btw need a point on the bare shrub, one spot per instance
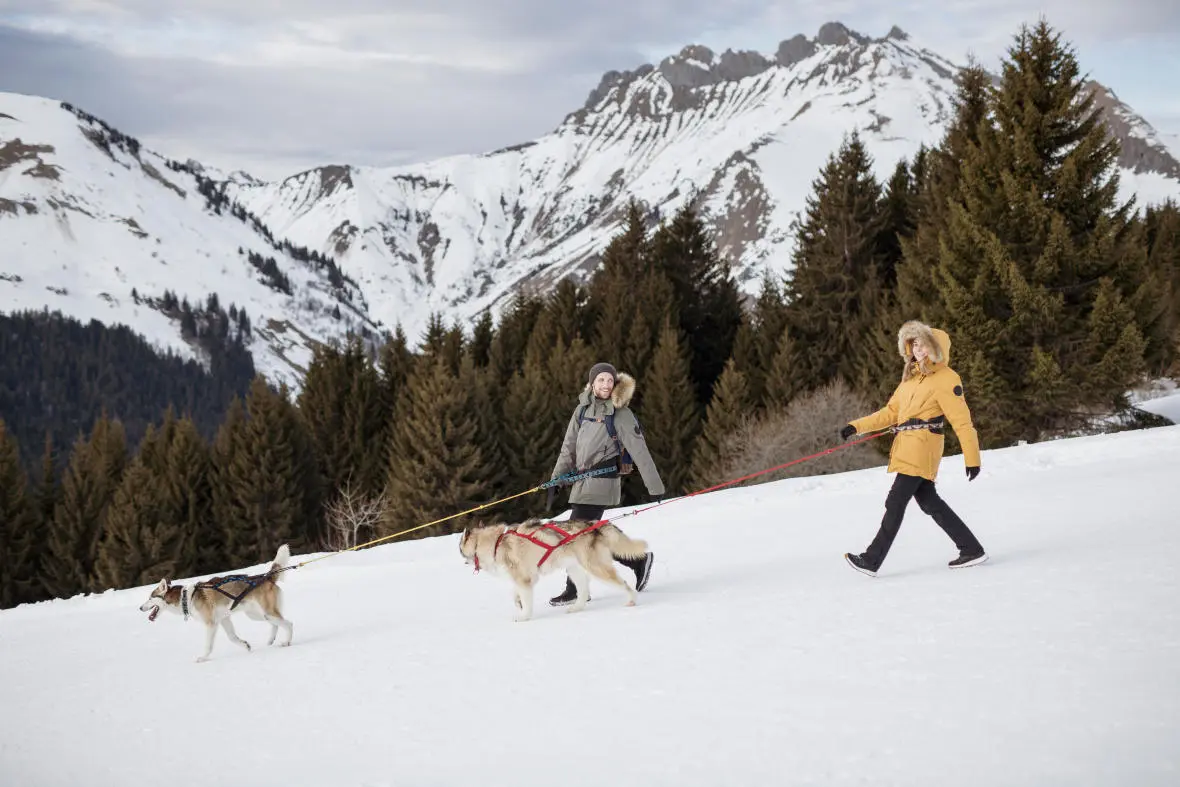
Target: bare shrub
(352, 516)
(809, 424)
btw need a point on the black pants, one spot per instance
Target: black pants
(593, 514)
(922, 490)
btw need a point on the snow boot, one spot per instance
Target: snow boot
(965, 560)
(567, 596)
(860, 564)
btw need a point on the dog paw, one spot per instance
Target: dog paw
(630, 603)
(201, 659)
(248, 648)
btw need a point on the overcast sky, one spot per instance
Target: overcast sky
(275, 86)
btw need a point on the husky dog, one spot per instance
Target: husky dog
(511, 550)
(212, 601)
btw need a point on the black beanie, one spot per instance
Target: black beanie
(599, 368)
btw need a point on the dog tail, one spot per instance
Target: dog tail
(282, 558)
(622, 545)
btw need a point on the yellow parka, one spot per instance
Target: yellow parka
(930, 392)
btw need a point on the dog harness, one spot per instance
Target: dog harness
(566, 537)
(252, 582)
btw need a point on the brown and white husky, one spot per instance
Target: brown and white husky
(504, 549)
(212, 602)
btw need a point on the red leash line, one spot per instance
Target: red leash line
(825, 452)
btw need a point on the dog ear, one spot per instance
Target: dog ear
(163, 586)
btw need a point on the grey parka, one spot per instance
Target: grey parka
(587, 444)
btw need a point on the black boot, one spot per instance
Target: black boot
(860, 564)
(641, 566)
(966, 559)
(567, 596)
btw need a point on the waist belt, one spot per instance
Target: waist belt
(935, 425)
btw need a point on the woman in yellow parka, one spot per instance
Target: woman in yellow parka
(930, 396)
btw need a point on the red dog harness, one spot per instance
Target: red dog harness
(566, 537)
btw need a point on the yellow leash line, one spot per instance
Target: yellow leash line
(877, 433)
(420, 527)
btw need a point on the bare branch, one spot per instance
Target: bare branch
(351, 514)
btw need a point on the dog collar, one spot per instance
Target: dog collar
(184, 599)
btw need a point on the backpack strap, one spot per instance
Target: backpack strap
(626, 463)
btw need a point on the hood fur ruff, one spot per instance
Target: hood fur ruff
(622, 393)
(936, 339)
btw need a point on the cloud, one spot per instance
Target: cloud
(274, 86)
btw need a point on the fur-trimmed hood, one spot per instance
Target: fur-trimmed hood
(620, 396)
(938, 340)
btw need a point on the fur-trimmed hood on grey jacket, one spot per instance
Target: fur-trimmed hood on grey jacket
(587, 444)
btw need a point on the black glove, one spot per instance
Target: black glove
(972, 472)
(552, 493)
(656, 498)
(847, 431)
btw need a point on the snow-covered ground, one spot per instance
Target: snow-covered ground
(756, 656)
(1162, 397)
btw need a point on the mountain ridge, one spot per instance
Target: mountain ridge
(740, 135)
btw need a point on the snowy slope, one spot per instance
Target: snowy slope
(756, 656)
(86, 217)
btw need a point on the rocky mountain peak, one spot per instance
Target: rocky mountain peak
(696, 65)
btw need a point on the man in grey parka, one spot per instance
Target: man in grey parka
(588, 445)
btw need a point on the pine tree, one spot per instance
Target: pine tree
(512, 337)
(18, 561)
(706, 302)
(1162, 237)
(436, 468)
(454, 346)
(652, 301)
(1041, 273)
(44, 504)
(746, 358)
(434, 339)
(769, 320)
(611, 304)
(727, 409)
(341, 405)
(671, 417)
(141, 543)
(536, 413)
(486, 395)
(782, 382)
(835, 293)
(366, 423)
(395, 362)
(188, 494)
(898, 211)
(153, 446)
(94, 473)
(936, 176)
(270, 479)
(229, 514)
(565, 317)
(481, 339)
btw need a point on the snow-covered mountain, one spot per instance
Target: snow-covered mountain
(755, 656)
(741, 133)
(98, 227)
